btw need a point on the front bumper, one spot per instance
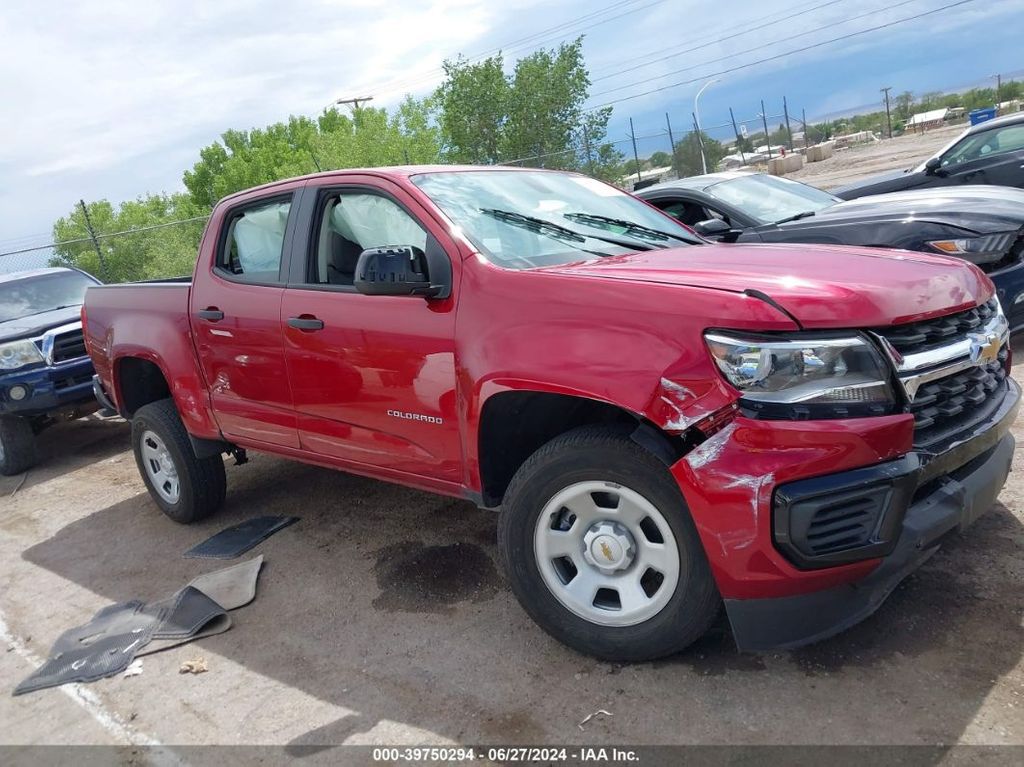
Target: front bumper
(733, 481)
(765, 624)
(51, 389)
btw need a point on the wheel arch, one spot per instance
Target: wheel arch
(515, 423)
(139, 381)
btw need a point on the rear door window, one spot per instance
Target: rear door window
(254, 245)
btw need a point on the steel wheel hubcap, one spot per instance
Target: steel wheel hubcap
(606, 553)
(160, 468)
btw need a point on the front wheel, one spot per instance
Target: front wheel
(17, 445)
(186, 488)
(601, 550)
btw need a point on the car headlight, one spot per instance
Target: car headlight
(18, 354)
(990, 247)
(809, 371)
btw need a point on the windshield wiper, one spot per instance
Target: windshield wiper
(631, 227)
(48, 309)
(797, 217)
(557, 231)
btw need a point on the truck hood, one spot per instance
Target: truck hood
(35, 325)
(979, 209)
(822, 286)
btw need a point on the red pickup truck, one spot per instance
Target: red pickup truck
(665, 424)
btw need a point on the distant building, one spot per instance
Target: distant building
(647, 178)
(934, 118)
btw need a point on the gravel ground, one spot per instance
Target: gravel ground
(382, 618)
(849, 165)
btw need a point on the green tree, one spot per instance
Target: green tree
(904, 105)
(533, 116)
(744, 144)
(688, 160)
(660, 159)
(473, 103)
(160, 241)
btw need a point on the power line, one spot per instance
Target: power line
(755, 25)
(781, 55)
(105, 236)
(516, 45)
(749, 50)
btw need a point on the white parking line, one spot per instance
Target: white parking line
(91, 702)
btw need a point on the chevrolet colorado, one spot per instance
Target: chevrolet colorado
(665, 424)
(45, 373)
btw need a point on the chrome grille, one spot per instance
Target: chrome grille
(932, 334)
(949, 406)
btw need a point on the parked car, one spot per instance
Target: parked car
(980, 224)
(991, 152)
(664, 423)
(45, 373)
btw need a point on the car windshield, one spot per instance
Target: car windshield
(769, 198)
(526, 219)
(42, 293)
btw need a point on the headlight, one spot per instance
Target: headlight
(803, 371)
(18, 354)
(990, 247)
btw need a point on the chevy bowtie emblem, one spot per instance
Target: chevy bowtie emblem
(984, 347)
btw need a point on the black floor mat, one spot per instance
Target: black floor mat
(102, 647)
(235, 541)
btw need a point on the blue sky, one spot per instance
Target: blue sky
(113, 98)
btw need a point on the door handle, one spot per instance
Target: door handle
(305, 323)
(212, 314)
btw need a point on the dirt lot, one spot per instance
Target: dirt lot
(382, 618)
(849, 165)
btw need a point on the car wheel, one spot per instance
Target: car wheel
(601, 550)
(17, 445)
(186, 488)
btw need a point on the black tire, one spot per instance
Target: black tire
(605, 454)
(202, 481)
(17, 445)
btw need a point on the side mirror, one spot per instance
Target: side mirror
(713, 227)
(395, 270)
(934, 167)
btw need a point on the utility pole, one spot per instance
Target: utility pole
(355, 103)
(789, 131)
(888, 114)
(636, 155)
(999, 87)
(95, 240)
(672, 142)
(736, 131)
(803, 119)
(767, 137)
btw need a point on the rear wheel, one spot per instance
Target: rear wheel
(186, 488)
(17, 445)
(601, 550)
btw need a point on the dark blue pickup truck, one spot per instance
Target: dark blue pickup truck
(45, 371)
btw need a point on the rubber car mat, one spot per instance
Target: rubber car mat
(231, 587)
(104, 646)
(235, 541)
(188, 615)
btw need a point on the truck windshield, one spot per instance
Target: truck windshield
(41, 293)
(525, 219)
